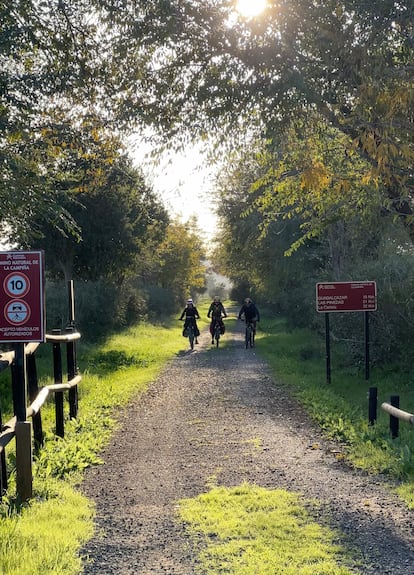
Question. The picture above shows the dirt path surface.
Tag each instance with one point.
(218, 413)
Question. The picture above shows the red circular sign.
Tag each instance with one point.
(16, 284)
(17, 312)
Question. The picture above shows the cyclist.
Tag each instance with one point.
(250, 311)
(216, 311)
(190, 311)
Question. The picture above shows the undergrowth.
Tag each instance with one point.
(43, 537)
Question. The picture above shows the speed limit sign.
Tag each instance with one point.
(16, 285)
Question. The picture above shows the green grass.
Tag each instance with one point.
(249, 530)
(44, 537)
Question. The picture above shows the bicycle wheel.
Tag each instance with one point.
(217, 337)
(191, 338)
(248, 336)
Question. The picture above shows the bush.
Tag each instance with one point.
(392, 324)
(102, 308)
(160, 302)
(97, 308)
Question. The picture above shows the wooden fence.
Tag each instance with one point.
(22, 362)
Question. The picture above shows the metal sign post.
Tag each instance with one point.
(366, 332)
(346, 297)
(328, 349)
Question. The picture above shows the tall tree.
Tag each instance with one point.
(119, 222)
(49, 68)
(181, 256)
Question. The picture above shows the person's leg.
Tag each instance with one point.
(185, 326)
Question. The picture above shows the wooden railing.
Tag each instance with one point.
(396, 414)
(22, 363)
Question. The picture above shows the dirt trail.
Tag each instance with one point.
(203, 419)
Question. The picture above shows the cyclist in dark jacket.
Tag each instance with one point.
(216, 311)
(250, 312)
(190, 310)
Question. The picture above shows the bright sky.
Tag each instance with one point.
(183, 182)
(251, 8)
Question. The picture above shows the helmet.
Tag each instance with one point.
(248, 300)
(216, 298)
(189, 301)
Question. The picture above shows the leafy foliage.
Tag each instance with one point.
(181, 268)
(348, 62)
(50, 61)
(190, 68)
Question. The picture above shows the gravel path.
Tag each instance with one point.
(201, 419)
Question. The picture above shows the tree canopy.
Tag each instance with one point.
(198, 67)
(191, 68)
(322, 92)
(119, 221)
(181, 254)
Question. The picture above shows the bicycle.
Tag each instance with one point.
(217, 332)
(249, 333)
(191, 331)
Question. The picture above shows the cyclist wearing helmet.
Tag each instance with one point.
(250, 312)
(216, 311)
(190, 310)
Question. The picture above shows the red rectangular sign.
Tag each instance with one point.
(22, 298)
(346, 296)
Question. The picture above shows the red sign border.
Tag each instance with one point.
(12, 274)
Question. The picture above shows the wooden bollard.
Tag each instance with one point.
(394, 421)
(24, 478)
(372, 405)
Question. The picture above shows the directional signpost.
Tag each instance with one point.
(346, 297)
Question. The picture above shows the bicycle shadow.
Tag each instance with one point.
(184, 352)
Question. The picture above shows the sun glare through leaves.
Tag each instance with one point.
(250, 8)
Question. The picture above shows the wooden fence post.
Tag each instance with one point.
(23, 434)
(33, 387)
(24, 477)
(57, 372)
(372, 405)
(3, 467)
(72, 371)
